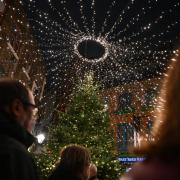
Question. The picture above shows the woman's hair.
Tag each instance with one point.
(75, 158)
(166, 128)
(167, 125)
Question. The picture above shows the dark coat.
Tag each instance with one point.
(16, 162)
(61, 173)
(154, 169)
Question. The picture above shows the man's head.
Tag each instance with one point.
(18, 102)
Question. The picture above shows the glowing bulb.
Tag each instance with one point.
(40, 138)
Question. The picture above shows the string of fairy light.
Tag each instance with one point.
(67, 38)
(15, 30)
(59, 38)
(122, 46)
(18, 53)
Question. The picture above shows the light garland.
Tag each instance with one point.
(98, 40)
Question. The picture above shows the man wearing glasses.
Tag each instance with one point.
(17, 118)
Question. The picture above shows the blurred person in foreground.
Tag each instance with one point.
(162, 154)
(73, 165)
(17, 110)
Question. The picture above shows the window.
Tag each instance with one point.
(2, 71)
(148, 97)
(2, 7)
(148, 129)
(125, 103)
(125, 134)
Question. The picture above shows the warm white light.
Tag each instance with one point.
(100, 40)
(40, 138)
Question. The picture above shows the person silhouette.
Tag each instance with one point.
(17, 119)
(73, 165)
(162, 157)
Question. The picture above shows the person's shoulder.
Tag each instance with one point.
(152, 169)
(12, 147)
(11, 142)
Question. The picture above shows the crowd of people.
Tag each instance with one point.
(17, 118)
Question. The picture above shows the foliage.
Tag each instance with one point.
(85, 122)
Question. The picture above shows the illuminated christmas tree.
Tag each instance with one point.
(85, 122)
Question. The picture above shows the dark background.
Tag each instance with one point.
(139, 53)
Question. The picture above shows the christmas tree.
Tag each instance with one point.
(85, 122)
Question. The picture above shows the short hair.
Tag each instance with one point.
(11, 90)
(75, 158)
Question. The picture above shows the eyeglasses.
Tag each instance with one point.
(34, 111)
(30, 104)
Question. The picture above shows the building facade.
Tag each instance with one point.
(131, 108)
(19, 55)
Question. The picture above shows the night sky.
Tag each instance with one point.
(139, 37)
